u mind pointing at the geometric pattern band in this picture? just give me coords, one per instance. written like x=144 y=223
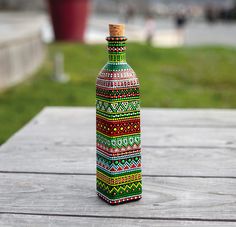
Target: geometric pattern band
x=120 y=191
x=117 y=83
x=114 y=94
x=113 y=166
x=118 y=142
x=118 y=180
x=117 y=107
x=118 y=116
x=118 y=128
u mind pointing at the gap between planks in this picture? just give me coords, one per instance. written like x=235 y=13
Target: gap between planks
x=92 y=174
x=119 y=217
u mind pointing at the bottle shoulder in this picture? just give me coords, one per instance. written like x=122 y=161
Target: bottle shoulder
x=115 y=71
x=117 y=81
x=117 y=66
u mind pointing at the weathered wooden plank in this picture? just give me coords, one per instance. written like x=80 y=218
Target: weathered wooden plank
x=162 y=137
x=150 y=116
x=16 y=220
x=80 y=160
x=189 y=117
x=151 y=136
x=78 y=128
x=184 y=144
x=191 y=198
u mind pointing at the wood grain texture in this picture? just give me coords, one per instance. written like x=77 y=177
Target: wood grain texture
x=47 y=171
x=81 y=160
x=16 y=220
x=77 y=128
x=191 y=198
x=151 y=116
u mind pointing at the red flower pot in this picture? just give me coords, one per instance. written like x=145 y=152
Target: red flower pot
x=69 y=18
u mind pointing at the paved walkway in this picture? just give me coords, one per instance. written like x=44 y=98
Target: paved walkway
x=196 y=33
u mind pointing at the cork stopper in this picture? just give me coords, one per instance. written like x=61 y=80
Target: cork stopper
x=117 y=29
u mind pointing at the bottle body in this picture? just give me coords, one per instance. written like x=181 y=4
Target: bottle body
x=119 y=176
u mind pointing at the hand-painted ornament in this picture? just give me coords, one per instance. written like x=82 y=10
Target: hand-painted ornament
x=119 y=177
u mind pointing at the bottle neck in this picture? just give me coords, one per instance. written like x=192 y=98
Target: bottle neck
x=116 y=49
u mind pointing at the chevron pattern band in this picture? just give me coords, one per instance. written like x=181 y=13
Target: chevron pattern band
x=119 y=175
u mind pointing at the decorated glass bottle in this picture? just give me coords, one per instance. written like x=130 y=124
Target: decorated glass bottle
x=119 y=176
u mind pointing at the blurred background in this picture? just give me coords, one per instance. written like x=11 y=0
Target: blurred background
x=183 y=51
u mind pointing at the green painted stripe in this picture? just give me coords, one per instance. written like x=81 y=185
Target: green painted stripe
x=117 y=113
x=117 y=137
x=116 y=44
x=112 y=197
x=114 y=158
x=111 y=101
x=117 y=57
x=122 y=116
x=122 y=91
x=116 y=66
x=134 y=98
x=135 y=190
x=119 y=141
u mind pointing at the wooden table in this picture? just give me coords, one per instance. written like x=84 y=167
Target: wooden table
x=47 y=171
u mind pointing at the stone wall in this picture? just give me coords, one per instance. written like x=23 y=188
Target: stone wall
x=19 y=59
x=21 y=48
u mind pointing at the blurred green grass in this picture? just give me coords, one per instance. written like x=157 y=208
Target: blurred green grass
x=201 y=77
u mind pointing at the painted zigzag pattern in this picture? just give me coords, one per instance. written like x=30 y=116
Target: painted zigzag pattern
x=117 y=165
x=119 y=176
x=117 y=107
x=118 y=191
